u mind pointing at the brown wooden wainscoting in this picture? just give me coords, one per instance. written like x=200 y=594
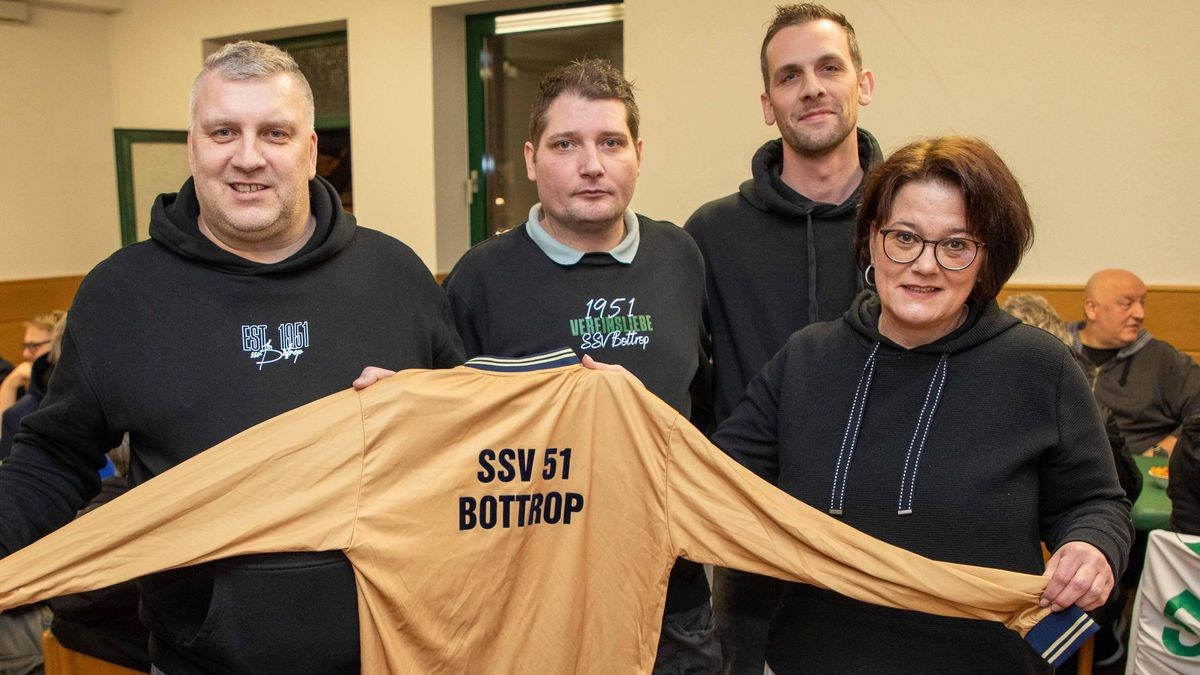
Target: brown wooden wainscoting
x=23 y=299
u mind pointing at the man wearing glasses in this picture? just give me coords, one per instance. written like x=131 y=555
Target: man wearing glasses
x=36 y=344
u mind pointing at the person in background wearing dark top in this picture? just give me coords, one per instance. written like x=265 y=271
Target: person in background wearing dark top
x=929 y=418
x=779 y=252
x=586 y=272
x=1150 y=386
x=255 y=294
x=1183 y=486
x=1110 y=641
x=35 y=386
x=38 y=336
x=104 y=623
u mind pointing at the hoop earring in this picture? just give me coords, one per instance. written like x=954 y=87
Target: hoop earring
x=867 y=276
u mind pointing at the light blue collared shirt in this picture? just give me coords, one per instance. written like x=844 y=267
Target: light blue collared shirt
x=562 y=254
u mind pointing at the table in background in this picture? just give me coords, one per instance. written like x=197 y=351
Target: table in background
x=1152 y=510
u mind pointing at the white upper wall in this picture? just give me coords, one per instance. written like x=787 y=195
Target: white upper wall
x=58 y=186
x=1088 y=102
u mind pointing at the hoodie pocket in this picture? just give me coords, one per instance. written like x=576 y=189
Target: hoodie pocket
x=279 y=613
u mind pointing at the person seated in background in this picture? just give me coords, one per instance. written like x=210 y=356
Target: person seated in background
x=38 y=334
x=104 y=623
x=1150 y=386
x=39 y=375
x=1184 y=485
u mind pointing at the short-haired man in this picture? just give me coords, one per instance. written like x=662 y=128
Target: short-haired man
x=1150 y=386
x=584 y=271
x=778 y=252
x=256 y=294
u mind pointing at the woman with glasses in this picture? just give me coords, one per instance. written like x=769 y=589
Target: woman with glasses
x=931 y=419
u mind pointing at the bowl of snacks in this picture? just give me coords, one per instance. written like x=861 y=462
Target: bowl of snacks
x=1159 y=476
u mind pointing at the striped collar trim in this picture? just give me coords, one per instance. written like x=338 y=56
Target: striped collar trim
x=1057 y=636
x=543 y=361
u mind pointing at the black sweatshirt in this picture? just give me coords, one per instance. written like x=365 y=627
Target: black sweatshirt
x=510 y=299
x=182 y=345
x=972 y=449
x=776 y=262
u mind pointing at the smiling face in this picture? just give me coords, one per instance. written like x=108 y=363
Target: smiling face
x=814 y=90
x=586 y=166
x=252 y=152
x=921 y=301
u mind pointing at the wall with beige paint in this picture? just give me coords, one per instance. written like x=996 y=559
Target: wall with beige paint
x=58 y=194
x=1088 y=101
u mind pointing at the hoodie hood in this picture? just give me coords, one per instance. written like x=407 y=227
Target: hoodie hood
x=985 y=320
x=174 y=223
x=766 y=191
x=1125 y=352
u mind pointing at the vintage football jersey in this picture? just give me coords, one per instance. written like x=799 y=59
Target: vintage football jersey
x=510 y=515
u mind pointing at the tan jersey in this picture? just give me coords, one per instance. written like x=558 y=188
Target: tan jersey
x=498 y=521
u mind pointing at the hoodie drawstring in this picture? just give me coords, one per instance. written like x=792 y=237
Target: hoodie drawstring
x=924 y=421
x=814 y=314
x=908 y=481
x=837 y=497
x=1125 y=372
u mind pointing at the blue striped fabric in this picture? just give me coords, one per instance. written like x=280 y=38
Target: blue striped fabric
x=1057 y=636
x=500 y=364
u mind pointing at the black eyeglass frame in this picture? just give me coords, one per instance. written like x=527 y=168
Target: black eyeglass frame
x=29 y=346
x=925 y=242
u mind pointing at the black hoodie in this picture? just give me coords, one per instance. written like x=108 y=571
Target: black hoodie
x=971 y=449
x=776 y=262
x=182 y=345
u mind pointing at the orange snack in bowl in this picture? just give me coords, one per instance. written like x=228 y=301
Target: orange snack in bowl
x=1159 y=471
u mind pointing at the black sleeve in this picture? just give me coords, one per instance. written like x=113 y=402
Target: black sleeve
x=448 y=347
x=750 y=434
x=464 y=318
x=1081 y=499
x=56 y=455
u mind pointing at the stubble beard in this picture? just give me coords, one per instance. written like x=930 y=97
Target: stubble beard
x=816 y=145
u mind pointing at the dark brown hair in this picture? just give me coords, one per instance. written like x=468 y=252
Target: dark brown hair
x=592 y=79
x=798 y=15
x=997 y=213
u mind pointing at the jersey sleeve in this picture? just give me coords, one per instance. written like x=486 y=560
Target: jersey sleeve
x=289 y=484
x=720 y=513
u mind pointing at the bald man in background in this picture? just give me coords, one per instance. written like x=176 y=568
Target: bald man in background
x=1150 y=386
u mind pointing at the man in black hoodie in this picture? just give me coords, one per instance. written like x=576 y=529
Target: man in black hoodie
x=256 y=294
x=778 y=253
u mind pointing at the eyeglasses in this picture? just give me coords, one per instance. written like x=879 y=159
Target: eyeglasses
x=32 y=346
x=952 y=253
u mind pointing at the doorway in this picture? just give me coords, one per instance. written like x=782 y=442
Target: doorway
x=507 y=56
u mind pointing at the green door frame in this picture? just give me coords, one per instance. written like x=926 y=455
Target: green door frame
x=124 y=139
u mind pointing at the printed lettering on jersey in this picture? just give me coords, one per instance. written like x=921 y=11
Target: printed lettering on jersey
x=286 y=342
x=612 y=323
x=506 y=465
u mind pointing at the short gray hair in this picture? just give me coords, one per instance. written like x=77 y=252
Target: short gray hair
x=247 y=60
